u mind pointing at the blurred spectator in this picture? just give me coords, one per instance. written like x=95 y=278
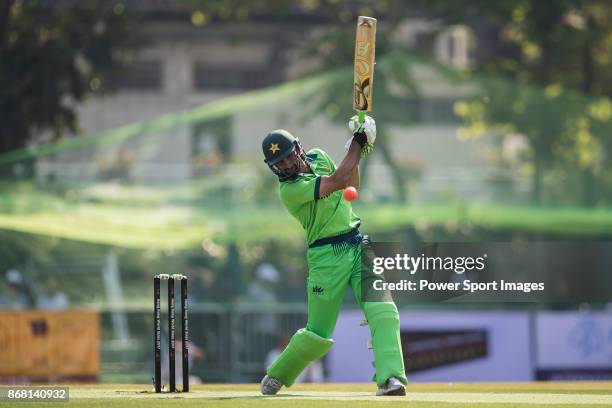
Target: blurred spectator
x=262 y=288
x=52 y=298
x=17 y=295
x=205 y=287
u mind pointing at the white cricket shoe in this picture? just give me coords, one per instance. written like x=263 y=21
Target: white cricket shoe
x=270 y=386
x=393 y=387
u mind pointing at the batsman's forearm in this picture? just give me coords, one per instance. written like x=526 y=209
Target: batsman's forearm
x=355 y=178
x=344 y=172
x=341 y=178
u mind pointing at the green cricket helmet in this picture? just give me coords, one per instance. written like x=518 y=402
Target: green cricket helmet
x=279 y=144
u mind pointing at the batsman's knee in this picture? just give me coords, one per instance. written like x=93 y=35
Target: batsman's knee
x=378 y=311
x=321 y=331
x=310 y=345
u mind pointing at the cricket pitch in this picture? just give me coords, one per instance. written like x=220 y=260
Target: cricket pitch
x=452 y=395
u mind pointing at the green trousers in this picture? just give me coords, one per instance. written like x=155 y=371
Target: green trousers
x=331 y=269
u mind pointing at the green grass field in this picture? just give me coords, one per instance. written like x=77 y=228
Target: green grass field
x=489 y=395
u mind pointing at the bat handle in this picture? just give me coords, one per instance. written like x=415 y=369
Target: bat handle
x=361 y=115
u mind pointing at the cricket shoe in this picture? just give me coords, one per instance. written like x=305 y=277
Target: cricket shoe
x=270 y=386
x=393 y=387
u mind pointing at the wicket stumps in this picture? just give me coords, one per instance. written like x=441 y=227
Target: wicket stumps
x=171 y=331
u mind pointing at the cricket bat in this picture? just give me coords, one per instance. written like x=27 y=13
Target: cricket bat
x=365 y=47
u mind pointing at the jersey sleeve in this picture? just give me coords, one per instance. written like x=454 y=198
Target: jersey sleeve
x=329 y=160
x=323 y=156
x=300 y=191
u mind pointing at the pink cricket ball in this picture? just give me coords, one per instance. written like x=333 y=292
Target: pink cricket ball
x=350 y=193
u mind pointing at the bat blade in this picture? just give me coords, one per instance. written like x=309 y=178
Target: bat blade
x=365 y=47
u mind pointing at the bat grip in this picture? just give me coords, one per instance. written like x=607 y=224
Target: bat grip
x=361 y=115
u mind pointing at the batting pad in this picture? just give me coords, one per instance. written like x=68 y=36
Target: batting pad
x=304 y=348
x=383 y=320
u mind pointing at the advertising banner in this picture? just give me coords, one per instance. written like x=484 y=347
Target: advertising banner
x=440 y=346
x=50 y=346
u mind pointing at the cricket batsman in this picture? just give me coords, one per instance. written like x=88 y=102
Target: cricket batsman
x=311 y=188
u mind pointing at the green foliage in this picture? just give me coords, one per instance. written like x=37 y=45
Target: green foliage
x=564 y=129
x=556 y=58
x=53 y=55
x=205 y=11
x=564 y=42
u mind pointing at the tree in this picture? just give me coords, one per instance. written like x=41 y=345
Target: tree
x=561 y=46
x=52 y=55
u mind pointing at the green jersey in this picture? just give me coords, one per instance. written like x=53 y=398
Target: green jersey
x=321 y=217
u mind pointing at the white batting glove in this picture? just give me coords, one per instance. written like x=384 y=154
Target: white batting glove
x=368 y=127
